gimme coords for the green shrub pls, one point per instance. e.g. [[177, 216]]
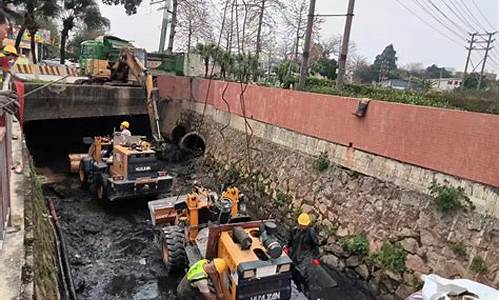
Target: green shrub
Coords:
[[233, 173], [283, 199], [458, 249], [390, 256], [355, 244], [313, 81], [322, 162], [478, 101], [478, 265], [448, 198]]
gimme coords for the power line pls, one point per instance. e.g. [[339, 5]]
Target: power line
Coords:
[[467, 10], [459, 16], [430, 13], [481, 13], [428, 24], [446, 16]]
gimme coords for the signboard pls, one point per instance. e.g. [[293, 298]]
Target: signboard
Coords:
[[42, 36]]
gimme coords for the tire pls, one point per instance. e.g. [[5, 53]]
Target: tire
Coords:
[[84, 177], [100, 188], [173, 252]]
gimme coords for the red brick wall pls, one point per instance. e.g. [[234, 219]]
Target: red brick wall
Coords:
[[458, 143]]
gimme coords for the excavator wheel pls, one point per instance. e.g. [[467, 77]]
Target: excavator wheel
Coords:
[[174, 254], [83, 175], [100, 188]]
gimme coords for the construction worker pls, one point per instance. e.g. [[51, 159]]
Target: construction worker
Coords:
[[8, 57], [303, 241], [202, 281], [124, 127], [120, 137]]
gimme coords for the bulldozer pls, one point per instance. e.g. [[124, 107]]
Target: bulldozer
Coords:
[[123, 170], [204, 225]]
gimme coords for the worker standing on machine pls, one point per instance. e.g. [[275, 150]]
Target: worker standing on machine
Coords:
[[202, 281], [121, 136]]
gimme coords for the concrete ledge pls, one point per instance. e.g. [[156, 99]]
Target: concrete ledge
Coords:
[[484, 197], [63, 101]]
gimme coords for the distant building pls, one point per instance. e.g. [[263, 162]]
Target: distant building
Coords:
[[446, 84], [42, 40], [400, 84]]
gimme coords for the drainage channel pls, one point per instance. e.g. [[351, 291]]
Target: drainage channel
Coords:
[[113, 250]]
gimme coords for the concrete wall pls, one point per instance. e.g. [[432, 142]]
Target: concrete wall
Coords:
[[61, 101], [456, 143], [276, 171]]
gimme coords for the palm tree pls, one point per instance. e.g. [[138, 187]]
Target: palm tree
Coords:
[[207, 52], [34, 11], [85, 13], [225, 61]]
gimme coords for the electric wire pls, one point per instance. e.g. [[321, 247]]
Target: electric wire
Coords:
[[481, 13], [473, 18], [458, 13], [439, 20], [429, 24], [446, 16]]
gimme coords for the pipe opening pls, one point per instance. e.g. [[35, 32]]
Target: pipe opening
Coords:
[[193, 144]]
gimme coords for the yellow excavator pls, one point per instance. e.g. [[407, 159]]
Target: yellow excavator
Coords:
[[126, 167]]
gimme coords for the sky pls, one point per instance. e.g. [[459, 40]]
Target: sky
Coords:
[[375, 25]]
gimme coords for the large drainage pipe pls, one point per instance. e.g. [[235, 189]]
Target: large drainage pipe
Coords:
[[193, 144]]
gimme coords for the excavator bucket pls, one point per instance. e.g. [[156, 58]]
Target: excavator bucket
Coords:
[[74, 162]]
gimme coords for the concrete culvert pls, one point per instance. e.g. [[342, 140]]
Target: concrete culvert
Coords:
[[178, 133], [193, 143]]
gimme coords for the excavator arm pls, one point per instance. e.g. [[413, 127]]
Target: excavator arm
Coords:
[[141, 73]]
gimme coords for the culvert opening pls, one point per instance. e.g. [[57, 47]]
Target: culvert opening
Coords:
[[193, 143], [178, 133], [50, 141]]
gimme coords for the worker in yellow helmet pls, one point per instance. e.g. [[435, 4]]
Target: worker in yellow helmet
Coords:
[[203, 281], [302, 241], [8, 56], [124, 128], [120, 137]]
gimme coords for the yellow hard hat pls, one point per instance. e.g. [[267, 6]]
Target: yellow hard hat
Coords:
[[220, 264], [10, 50], [304, 219], [125, 124]]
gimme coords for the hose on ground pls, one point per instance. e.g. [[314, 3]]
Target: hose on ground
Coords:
[[62, 249]]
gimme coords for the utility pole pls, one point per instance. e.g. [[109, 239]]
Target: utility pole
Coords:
[[164, 23], [307, 45], [345, 44], [464, 76], [490, 40], [173, 24]]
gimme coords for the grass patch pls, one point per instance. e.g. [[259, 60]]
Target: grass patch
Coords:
[[458, 249], [478, 265], [448, 198], [283, 199], [390, 256], [322, 163], [355, 244]]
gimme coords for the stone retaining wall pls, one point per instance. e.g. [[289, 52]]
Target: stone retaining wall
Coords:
[[281, 181]]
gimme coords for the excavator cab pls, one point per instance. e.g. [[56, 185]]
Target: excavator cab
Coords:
[[209, 225], [128, 169]]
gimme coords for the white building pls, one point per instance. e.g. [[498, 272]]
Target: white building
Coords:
[[446, 84]]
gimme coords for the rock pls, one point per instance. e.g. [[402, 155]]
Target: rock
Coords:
[[306, 208], [353, 261], [336, 249], [408, 278], [363, 271], [393, 275], [326, 223], [404, 291], [342, 232], [416, 264], [407, 232], [331, 261], [142, 261], [322, 208], [426, 238], [410, 245]]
